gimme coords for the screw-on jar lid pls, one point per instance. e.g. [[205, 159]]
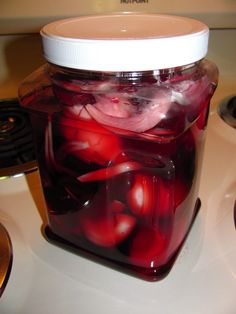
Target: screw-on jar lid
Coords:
[[125, 42]]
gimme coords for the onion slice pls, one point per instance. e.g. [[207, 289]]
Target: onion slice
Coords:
[[50, 159], [139, 121], [109, 172]]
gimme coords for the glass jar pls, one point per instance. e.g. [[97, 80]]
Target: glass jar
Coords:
[[119, 114]]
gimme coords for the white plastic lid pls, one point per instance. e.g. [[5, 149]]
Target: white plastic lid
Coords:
[[125, 42]]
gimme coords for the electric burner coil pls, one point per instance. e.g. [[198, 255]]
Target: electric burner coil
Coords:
[[17, 153]]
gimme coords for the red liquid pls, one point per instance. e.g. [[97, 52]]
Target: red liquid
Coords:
[[128, 197]]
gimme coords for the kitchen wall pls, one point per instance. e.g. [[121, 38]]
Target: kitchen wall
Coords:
[[28, 15]]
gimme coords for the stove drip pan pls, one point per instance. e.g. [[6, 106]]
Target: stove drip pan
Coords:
[[227, 111], [17, 154], [6, 257]]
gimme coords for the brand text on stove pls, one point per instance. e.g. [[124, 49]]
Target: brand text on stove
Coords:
[[133, 1]]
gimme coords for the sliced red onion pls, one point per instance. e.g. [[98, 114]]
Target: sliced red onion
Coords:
[[76, 112], [68, 85], [51, 161], [71, 147], [190, 92], [72, 111], [115, 104], [109, 172], [104, 86], [88, 85], [142, 120], [84, 114], [49, 153]]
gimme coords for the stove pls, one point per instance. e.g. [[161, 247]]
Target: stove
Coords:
[[47, 279]]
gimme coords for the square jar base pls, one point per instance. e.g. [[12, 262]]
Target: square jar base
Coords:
[[148, 274]]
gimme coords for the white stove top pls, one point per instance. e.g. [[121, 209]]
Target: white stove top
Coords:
[[48, 279]]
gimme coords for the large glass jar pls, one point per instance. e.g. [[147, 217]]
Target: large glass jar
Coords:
[[119, 114]]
